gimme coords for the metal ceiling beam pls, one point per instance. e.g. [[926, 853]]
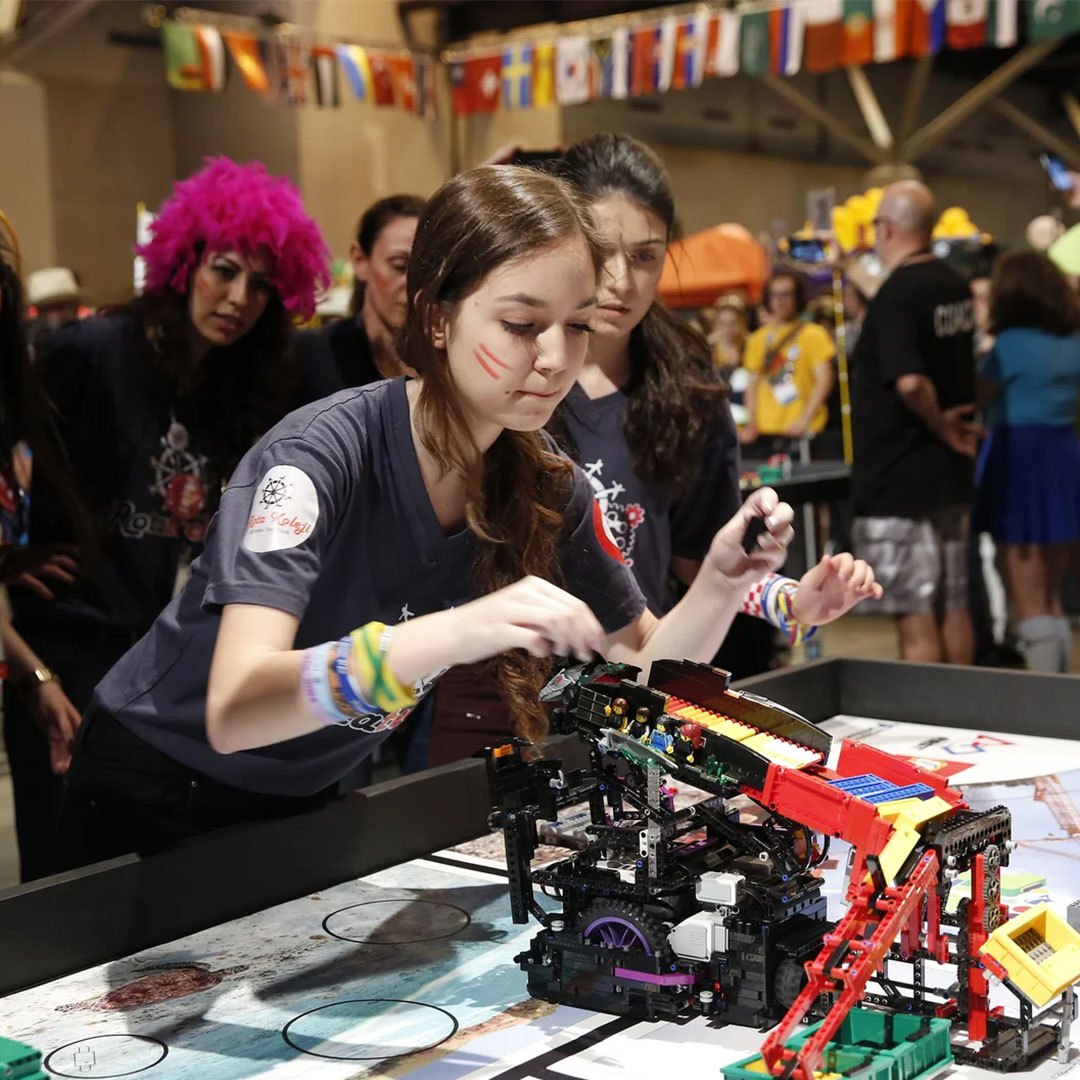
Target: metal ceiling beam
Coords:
[[34, 37], [816, 113], [916, 91], [1072, 109], [870, 108], [9, 17], [932, 133], [1047, 139]]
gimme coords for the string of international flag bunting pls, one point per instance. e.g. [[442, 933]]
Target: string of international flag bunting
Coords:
[[616, 58]]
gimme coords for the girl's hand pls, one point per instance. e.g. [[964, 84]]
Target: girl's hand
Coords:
[[531, 614], [833, 588], [58, 719], [726, 555]]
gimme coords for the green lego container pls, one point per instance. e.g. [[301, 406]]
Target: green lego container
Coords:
[[880, 1045], [19, 1061]]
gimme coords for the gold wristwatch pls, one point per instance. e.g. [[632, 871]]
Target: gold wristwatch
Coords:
[[38, 677]]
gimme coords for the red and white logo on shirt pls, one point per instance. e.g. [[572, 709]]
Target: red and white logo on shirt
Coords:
[[284, 510], [603, 532]]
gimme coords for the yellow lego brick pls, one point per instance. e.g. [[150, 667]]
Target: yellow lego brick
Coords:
[[1040, 951], [898, 847], [732, 729], [915, 811], [759, 1066]]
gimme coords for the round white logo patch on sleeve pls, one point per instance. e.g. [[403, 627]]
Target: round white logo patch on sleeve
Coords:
[[284, 510]]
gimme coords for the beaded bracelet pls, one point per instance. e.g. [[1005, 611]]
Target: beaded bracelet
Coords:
[[369, 647]]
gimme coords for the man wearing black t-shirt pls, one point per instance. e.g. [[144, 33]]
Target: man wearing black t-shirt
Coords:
[[913, 389]]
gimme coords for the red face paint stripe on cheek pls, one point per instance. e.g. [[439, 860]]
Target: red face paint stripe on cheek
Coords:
[[491, 356], [484, 364]]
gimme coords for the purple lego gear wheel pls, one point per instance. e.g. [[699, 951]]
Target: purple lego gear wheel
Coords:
[[621, 925], [618, 933]]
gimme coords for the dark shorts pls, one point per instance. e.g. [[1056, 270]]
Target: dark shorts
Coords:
[[921, 563]]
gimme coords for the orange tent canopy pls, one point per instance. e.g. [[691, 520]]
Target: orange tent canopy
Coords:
[[703, 266]]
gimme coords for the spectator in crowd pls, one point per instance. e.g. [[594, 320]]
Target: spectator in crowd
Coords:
[[790, 362], [361, 349], [53, 297], [157, 402], [913, 394], [728, 334], [39, 754], [1028, 477]]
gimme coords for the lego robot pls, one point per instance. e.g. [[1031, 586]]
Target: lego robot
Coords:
[[716, 909]]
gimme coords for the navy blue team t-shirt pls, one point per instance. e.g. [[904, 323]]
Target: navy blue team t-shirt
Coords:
[[327, 518], [649, 522]]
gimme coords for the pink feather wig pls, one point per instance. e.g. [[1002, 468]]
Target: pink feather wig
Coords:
[[226, 207]]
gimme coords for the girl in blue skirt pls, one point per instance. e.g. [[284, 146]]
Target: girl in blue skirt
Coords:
[[1028, 476]]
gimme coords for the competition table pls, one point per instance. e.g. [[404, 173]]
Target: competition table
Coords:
[[371, 938]]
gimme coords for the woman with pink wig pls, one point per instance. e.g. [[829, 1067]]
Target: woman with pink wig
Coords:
[[158, 400]]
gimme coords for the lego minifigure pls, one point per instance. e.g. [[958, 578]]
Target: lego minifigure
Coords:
[[639, 726], [661, 737], [619, 711], [689, 740]]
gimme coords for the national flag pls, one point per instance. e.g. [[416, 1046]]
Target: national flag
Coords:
[[517, 76], [754, 43], [1053, 18], [288, 70], [244, 50], [425, 86], [544, 74], [642, 57], [724, 34], [354, 63], [476, 84], [212, 49], [620, 62], [1001, 28], [325, 69], [823, 35], [690, 47], [965, 23], [667, 35], [194, 56], [857, 47], [600, 68], [890, 37], [403, 78], [572, 58], [926, 27], [785, 40], [382, 81]]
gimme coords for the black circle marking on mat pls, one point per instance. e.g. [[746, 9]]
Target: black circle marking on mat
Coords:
[[49, 1067], [399, 941], [364, 1001]]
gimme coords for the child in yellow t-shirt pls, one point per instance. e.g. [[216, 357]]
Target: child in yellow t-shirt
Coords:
[[790, 363]]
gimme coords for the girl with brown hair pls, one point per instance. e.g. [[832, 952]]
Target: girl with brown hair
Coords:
[[649, 423], [371, 540]]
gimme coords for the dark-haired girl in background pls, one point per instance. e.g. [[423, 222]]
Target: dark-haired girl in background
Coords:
[[361, 348], [648, 422], [1028, 474], [156, 403]]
